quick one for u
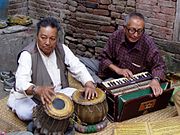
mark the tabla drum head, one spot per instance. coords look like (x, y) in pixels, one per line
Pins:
(78, 97)
(61, 107)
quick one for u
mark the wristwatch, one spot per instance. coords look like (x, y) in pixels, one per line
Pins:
(33, 90)
(157, 78)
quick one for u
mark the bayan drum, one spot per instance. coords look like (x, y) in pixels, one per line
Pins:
(90, 112)
(54, 117)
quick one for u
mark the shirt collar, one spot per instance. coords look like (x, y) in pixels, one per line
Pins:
(43, 55)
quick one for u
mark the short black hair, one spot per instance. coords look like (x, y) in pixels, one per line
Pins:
(48, 21)
(132, 15)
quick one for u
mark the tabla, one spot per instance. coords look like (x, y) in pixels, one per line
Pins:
(54, 117)
(90, 111)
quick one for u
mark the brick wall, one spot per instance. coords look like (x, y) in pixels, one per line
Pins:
(88, 23)
(160, 17)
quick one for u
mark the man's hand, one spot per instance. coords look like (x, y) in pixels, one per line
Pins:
(156, 88)
(45, 93)
(90, 90)
(125, 72)
(120, 71)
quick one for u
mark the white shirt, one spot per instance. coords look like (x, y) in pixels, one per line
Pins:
(24, 71)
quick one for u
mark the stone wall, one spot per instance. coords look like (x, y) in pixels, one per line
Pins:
(10, 46)
(88, 23)
(18, 7)
(171, 53)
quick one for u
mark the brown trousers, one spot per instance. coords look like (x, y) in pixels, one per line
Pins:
(176, 99)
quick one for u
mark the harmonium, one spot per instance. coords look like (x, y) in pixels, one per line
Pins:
(128, 98)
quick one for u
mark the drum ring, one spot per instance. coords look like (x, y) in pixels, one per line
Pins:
(91, 128)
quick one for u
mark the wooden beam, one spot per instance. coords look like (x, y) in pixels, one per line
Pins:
(176, 35)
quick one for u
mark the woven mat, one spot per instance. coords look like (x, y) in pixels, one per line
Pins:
(8, 120)
(168, 112)
(162, 114)
(74, 83)
(169, 126)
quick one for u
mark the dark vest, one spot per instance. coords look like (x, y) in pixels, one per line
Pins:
(40, 76)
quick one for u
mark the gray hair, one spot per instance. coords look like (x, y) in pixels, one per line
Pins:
(133, 15)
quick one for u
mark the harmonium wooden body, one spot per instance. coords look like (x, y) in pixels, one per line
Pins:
(128, 98)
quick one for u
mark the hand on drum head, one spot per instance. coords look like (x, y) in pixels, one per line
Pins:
(45, 93)
(90, 90)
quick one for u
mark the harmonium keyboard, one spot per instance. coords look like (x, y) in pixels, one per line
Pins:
(128, 98)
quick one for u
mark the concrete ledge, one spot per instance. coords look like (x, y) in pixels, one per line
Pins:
(10, 46)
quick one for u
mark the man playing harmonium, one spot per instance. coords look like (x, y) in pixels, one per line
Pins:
(130, 51)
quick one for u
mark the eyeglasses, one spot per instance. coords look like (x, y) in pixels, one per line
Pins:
(133, 30)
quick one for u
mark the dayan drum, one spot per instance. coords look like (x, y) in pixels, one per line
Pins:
(90, 112)
(54, 117)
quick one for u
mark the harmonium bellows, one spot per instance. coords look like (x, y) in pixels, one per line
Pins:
(128, 98)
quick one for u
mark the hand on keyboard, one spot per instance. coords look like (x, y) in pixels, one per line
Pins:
(120, 71)
(125, 72)
(120, 82)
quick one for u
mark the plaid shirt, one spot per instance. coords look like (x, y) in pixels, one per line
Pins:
(144, 56)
